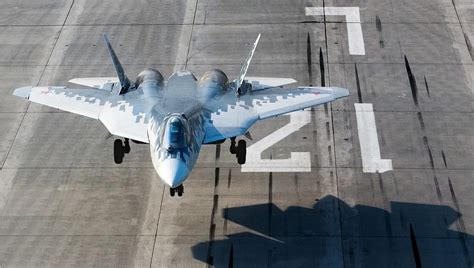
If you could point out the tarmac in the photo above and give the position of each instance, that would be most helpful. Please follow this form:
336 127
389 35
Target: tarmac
64 203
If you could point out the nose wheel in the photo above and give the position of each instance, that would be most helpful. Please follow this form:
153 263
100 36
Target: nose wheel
120 149
179 190
240 150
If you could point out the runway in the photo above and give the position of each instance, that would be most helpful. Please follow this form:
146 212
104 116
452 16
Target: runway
323 192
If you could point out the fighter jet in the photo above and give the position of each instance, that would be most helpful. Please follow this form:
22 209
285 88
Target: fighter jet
178 115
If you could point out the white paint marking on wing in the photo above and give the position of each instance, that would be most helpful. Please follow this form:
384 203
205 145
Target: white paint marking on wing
369 142
298 162
354 29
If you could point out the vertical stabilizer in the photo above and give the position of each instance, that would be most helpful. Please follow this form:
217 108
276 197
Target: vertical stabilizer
123 79
243 70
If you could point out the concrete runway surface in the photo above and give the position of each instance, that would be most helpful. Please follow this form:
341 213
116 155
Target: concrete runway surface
64 203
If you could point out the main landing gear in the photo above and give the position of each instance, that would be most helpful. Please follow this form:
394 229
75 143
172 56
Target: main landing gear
179 190
120 149
240 150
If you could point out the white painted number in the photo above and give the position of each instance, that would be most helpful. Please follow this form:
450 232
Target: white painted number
369 141
298 162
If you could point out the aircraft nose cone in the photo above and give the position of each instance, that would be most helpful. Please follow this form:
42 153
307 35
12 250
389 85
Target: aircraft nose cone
173 172
339 92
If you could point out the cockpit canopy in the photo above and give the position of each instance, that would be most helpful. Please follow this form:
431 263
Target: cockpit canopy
174 132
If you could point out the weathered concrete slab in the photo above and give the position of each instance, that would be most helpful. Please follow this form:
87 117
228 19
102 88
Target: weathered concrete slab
280 43
79 201
251 12
124 12
26 45
42 12
134 44
10 123
411 140
117 251
12 77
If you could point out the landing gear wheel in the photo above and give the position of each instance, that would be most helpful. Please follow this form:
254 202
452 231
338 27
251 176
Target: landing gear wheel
232 149
180 190
118 151
241 152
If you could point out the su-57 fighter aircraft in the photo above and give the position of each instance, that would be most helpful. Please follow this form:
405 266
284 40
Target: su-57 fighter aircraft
176 117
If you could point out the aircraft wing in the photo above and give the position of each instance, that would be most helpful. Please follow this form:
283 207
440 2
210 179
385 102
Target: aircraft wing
95 82
86 102
259 83
122 115
232 115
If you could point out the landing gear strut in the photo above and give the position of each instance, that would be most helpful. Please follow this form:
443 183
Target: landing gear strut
240 150
120 149
179 190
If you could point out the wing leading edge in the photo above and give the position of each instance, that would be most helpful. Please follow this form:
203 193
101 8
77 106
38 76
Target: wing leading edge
233 116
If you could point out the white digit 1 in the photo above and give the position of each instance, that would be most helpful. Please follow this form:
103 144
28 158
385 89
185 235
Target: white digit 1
298 162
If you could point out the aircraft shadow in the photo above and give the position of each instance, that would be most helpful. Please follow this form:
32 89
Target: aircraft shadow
409 235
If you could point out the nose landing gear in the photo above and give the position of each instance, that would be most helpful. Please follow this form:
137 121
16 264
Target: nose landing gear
240 150
179 190
120 149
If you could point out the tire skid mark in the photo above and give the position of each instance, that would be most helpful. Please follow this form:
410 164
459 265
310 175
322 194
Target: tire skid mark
229 178
414 248
212 228
378 25
309 60
428 148
412 80
359 93
438 191
444 159
427 87
420 120
321 67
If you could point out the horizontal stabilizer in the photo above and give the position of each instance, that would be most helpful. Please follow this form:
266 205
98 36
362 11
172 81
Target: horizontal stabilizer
259 83
94 82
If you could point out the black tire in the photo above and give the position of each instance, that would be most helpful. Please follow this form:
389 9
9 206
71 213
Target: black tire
241 152
180 190
118 151
172 191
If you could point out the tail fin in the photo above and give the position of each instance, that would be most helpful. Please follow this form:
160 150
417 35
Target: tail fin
123 79
243 70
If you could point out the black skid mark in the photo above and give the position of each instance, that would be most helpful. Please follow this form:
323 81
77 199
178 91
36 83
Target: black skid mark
428 148
414 248
359 92
309 59
444 159
378 25
420 119
412 80
427 87
321 67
